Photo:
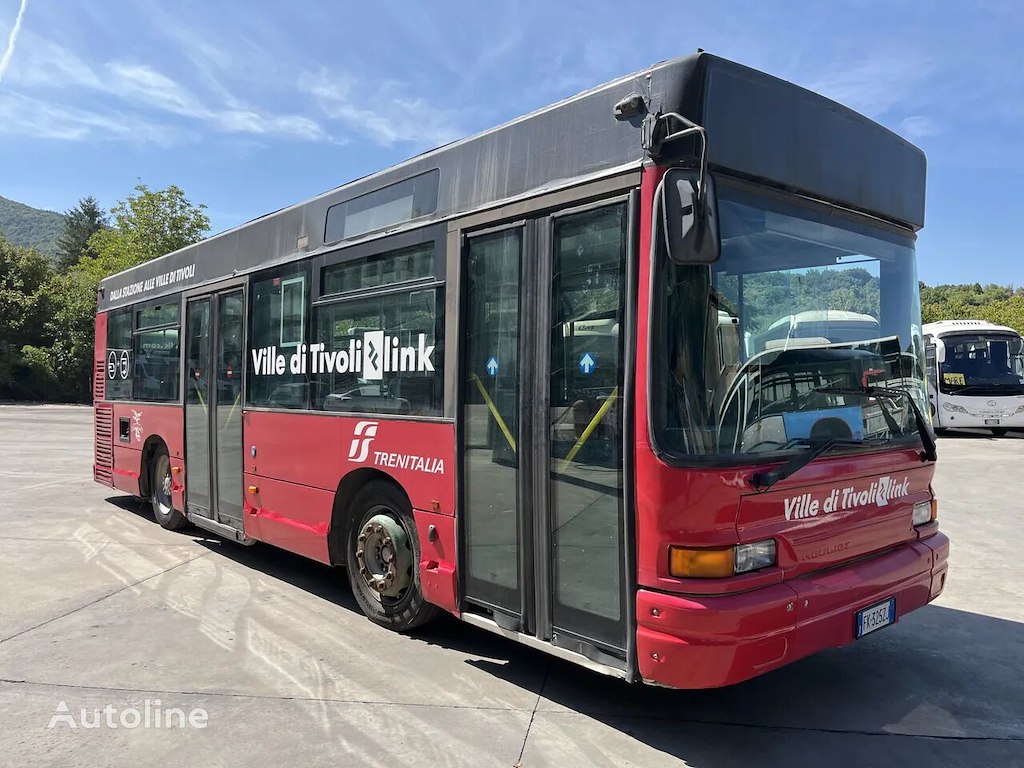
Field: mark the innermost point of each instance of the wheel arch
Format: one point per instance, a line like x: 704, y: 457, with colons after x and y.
x: 150, y: 449
x: 349, y: 486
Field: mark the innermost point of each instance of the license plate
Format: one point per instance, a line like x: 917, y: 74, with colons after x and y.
x: 877, y: 616
x: 991, y: 422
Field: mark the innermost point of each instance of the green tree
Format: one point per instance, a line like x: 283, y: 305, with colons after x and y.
x: 996, y: 303
x: 146, y: 225
x: 25, y: 303
x: 80, y: 223
x: 152, y: 223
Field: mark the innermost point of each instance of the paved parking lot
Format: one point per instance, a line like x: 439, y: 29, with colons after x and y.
x: 102, y: 609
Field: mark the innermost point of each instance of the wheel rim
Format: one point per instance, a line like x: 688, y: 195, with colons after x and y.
x: 384, y: 556
x: 162, y: 486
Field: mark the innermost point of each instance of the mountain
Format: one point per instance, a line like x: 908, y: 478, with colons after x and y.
x: 23, y: 225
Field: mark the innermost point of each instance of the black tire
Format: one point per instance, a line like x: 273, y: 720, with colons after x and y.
x: 160, y: 492
x: 407, y: 610
x: 999, y: 431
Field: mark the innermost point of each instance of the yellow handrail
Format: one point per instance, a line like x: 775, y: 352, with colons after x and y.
x: 494, y: 411
x: 605, y: 407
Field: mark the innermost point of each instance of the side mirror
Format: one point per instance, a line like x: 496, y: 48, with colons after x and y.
x: 940, y: 353
x: 689, y: 217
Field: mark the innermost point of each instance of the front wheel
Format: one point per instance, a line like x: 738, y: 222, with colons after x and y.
x: 160, y: 493
x: 383, y: 554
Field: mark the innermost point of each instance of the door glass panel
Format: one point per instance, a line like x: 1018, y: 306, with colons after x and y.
x: 586, y: 424
x: 197, y: 398
x: 230, y: 359
x: 490, y: 418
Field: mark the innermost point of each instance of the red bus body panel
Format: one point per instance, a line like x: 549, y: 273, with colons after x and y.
x: 145, y: 421
x: 301, y: 459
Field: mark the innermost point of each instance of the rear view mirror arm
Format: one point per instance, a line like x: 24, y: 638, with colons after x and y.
x: 690, y: 128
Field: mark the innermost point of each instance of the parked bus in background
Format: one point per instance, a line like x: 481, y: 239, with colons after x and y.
x: 975, y: 375
x: 510, y: 379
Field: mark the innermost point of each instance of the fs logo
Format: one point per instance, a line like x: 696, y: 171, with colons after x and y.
x: 362, y: 436
x: 137, y: 425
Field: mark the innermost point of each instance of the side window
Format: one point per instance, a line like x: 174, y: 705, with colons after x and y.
x: 280, y: 309
x: 155, y: 350
x: 119, y: 354
x: 380, y: 353
x: 930, y: 363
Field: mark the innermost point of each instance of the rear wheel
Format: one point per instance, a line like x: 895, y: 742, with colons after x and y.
x: 160, y: 493
x: 999, y: 431
x: 383, y: 553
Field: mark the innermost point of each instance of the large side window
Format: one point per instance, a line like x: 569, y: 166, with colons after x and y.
x: 380, y: 352
x: 155, y: 350
x: 280, y: 308
x: 119, y: 353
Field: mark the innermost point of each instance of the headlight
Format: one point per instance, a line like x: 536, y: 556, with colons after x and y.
x: 750, y: 557
x: 925, y: 512
x: 953, y: 408
x: 1019, y: 410
x: 717, y: 563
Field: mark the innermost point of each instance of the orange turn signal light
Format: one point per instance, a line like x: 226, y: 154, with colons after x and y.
x: 935, y: 509
x: 688, y: 562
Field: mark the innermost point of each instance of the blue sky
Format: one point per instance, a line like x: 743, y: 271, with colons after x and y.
x: 253, y: 106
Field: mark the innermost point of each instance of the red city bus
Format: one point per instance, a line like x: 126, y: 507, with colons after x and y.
x: 588, y: 380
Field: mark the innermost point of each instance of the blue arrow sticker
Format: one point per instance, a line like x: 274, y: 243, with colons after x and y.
x: 492, y: 365
x: 587, y: 363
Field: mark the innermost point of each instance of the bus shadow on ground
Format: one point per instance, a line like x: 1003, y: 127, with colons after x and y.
x: 942, y: 685
x: 979, y: 434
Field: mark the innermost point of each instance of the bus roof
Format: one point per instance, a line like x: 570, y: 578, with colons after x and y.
x: 824, y: 316
x: 942, y: 328
x: 759, y: 127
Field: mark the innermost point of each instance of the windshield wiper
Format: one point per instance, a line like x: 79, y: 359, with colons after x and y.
x: 923, y: 430
x: 762, y: 481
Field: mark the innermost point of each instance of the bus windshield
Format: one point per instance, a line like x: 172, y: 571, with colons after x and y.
x: 982, y: 364
x: 807, y: 328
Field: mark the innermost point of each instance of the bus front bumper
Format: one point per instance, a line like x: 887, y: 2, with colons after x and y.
x: 706, y: 641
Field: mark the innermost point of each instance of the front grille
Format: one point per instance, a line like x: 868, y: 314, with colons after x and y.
x: 104, y: 465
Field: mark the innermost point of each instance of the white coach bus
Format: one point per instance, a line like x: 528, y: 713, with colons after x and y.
x: 975, y: 375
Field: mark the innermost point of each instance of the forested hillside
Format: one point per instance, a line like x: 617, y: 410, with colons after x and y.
x: 29, y: 227
x: 996, y: 303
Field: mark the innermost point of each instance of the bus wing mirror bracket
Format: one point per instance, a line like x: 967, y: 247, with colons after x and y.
x: 689, y: 215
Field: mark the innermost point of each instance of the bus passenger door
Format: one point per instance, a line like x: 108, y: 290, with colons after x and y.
x: 214, y: 364
x: 543, y: 514
x: 198, y: 494
x: 582, y: 530
x: 494, y: 512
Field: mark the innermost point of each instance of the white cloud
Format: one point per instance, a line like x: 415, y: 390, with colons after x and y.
x: 876, y: 84
x: 380, y: 111
x: 142, y: 96
x: 140, y: 83
x: 45, y: 64
x: 25, y: 116
x: 918, y: 127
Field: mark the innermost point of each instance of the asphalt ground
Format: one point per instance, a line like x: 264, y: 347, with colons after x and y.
x: 269, y: 662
